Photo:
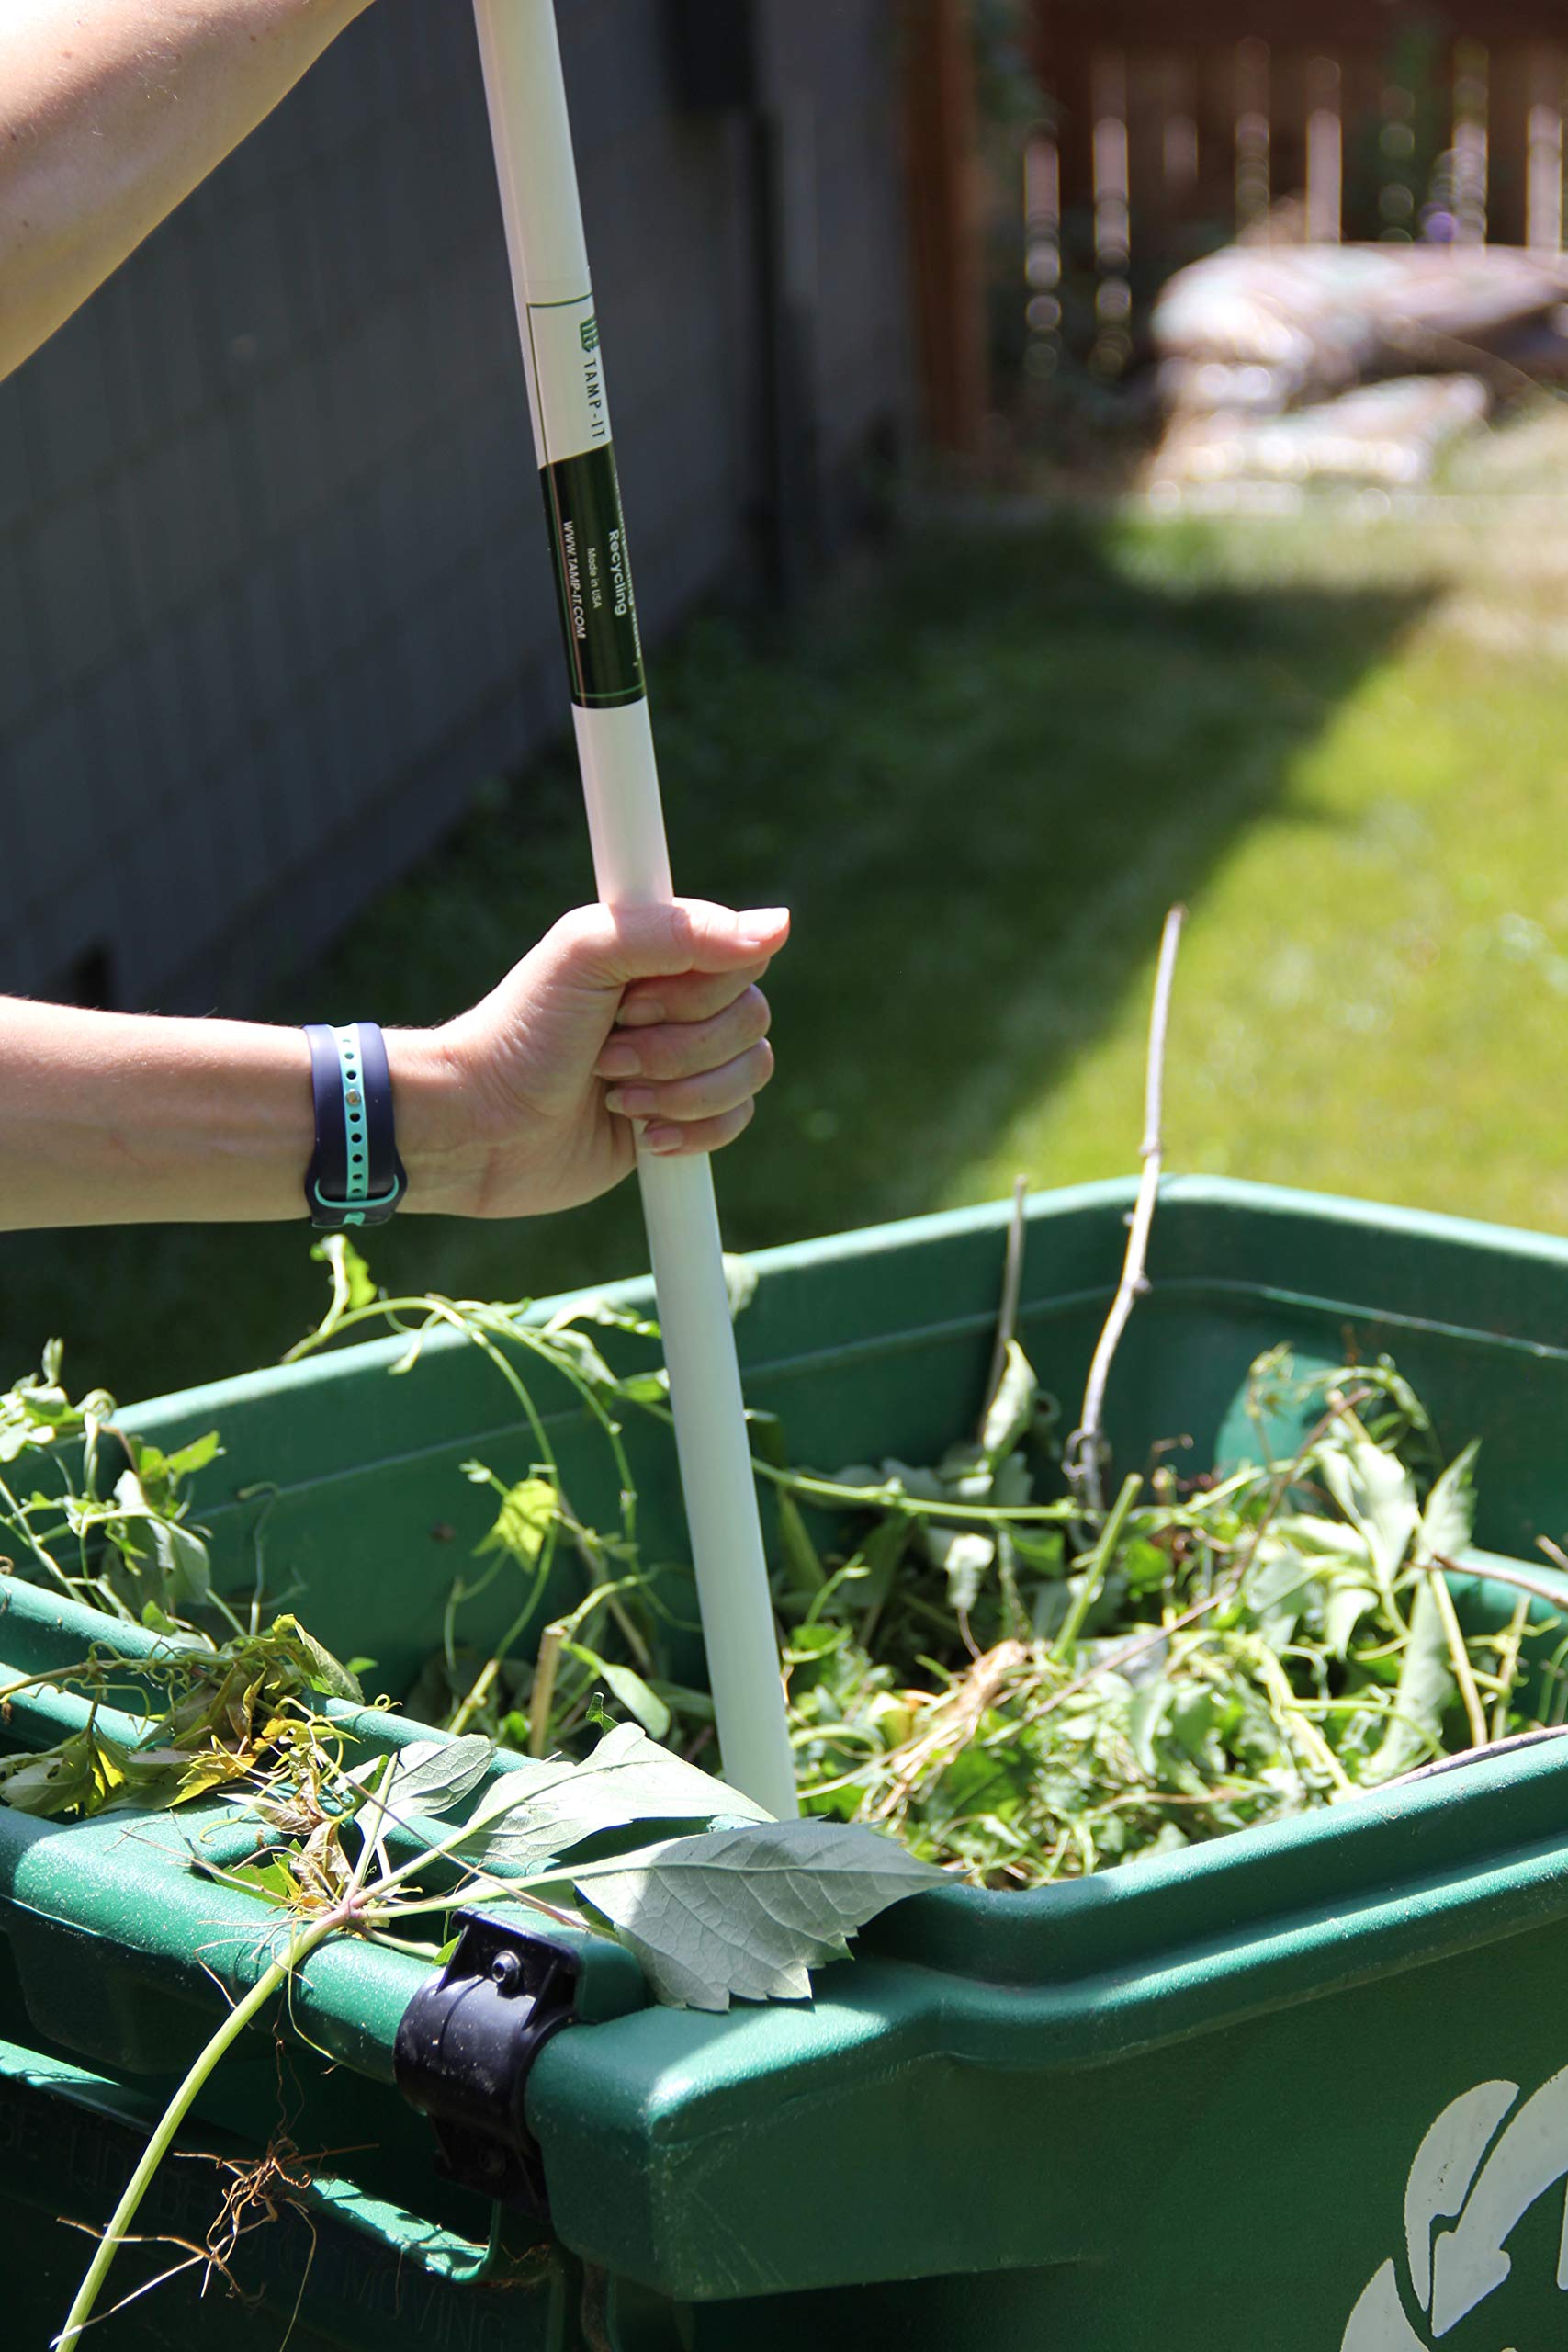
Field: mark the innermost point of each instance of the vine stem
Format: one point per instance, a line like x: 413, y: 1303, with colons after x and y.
x: 1086, y: 1444
x: 1459, y: 1656
x: 1093, y: 1574
x: 271, y: 1979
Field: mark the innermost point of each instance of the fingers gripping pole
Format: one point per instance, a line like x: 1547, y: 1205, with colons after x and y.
x: 620, y: 781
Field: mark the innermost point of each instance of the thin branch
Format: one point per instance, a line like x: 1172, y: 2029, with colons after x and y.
x: 1493, y: 1572
x: 1012, y: 1284
x: 542, y: 1697
x: 1086, y: 1446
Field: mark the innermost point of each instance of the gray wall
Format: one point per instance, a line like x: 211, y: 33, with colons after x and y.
x: 274, y: 588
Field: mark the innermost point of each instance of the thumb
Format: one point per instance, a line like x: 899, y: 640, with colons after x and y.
x: 605, y: 947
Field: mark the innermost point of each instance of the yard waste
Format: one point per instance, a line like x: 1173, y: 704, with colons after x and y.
x: 1346, y: 363
x: 1277, y: 325
x: 1033, y: 2036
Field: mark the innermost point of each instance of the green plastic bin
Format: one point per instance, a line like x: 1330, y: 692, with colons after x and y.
x: 1304, y: 2090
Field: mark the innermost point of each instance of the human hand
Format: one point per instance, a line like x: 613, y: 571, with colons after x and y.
x: 527, y: 1103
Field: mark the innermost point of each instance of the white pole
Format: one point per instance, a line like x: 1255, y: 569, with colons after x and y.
x: 631, y: 862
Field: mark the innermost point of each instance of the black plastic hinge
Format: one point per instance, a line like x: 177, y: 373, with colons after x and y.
x: 466, y: 2043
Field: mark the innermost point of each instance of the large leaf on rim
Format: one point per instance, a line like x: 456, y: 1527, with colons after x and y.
x: 747, y: 1911
x: 542, y: 1809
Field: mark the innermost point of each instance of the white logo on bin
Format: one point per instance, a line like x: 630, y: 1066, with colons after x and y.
x: 1454, y: 2179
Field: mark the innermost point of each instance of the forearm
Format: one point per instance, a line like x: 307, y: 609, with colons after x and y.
x: 522, y: 1105
x: 111, y: 1118
x: 111, y: 112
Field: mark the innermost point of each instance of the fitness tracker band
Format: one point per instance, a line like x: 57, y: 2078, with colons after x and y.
x: 355, y: 1176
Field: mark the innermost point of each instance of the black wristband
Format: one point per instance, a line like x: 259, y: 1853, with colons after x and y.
x: 355, y: 1176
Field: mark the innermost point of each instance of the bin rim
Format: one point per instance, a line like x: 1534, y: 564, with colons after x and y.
x: 1109, y: 1196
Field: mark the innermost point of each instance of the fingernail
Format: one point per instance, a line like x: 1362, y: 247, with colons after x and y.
x: 631, y: 1101
x: 618, y: 1061
x: 759, y: 925
x: 663, y: 1139
x: 641, y: 1013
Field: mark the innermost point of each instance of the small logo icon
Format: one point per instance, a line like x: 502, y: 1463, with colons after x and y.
x: 588, y: 331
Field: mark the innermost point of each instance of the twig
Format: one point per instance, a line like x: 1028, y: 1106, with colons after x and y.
x: 1508, y: 1647
x: 541, y: 1698
x: 1012, y: 1283
x: 1084, y: 1447
x: 1494, y: 1573
x: 1458, y: 1657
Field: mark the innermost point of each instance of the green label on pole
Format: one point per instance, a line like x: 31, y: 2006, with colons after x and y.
x: 588, y: 538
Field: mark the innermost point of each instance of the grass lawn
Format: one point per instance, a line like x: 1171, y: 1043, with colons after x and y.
x: 979, y: 772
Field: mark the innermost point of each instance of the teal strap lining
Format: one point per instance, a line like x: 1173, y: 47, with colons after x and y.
x: 351, y: 1070
x: 355, y: 1152
x: 357, y: 1197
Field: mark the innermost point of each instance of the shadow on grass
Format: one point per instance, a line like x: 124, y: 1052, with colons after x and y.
x: 978, y: 773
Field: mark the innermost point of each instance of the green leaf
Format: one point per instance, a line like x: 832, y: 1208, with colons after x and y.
x: 1148, y: 1713
x: 627, y: 1778
x: 267, y: 1875
x: 1425, y: 1688
x: 52, y: 1784
x: 194, y: 1456
x: 1346, y: 1603
x: 1448, y: 1520
x: 804, y: 1569
x: 578, y: 1349
x: 1306, y: 1532
x: 1011, y: 1410
x: 1012, y: 1483
x: 878, y: 1557
x: 182, y: 1559
x: 322, y: 1671
x: 747, y: 1911
x: 432, y: 1775
x: 76, y: 1776
x: 36, y: 1411
x: 1376, y: 1493
x: 527, y: 1513
x: 1278, y: 1591
x: 604, y: 1311
x: 351, y: 1279
x: 905, y: 1478
x: 644, y: 1705
x: 1144, y: 1564
x: 802, y: 1564
x: 963, y: 1558
x: 153, y: 1546
x: 767, y: 1435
